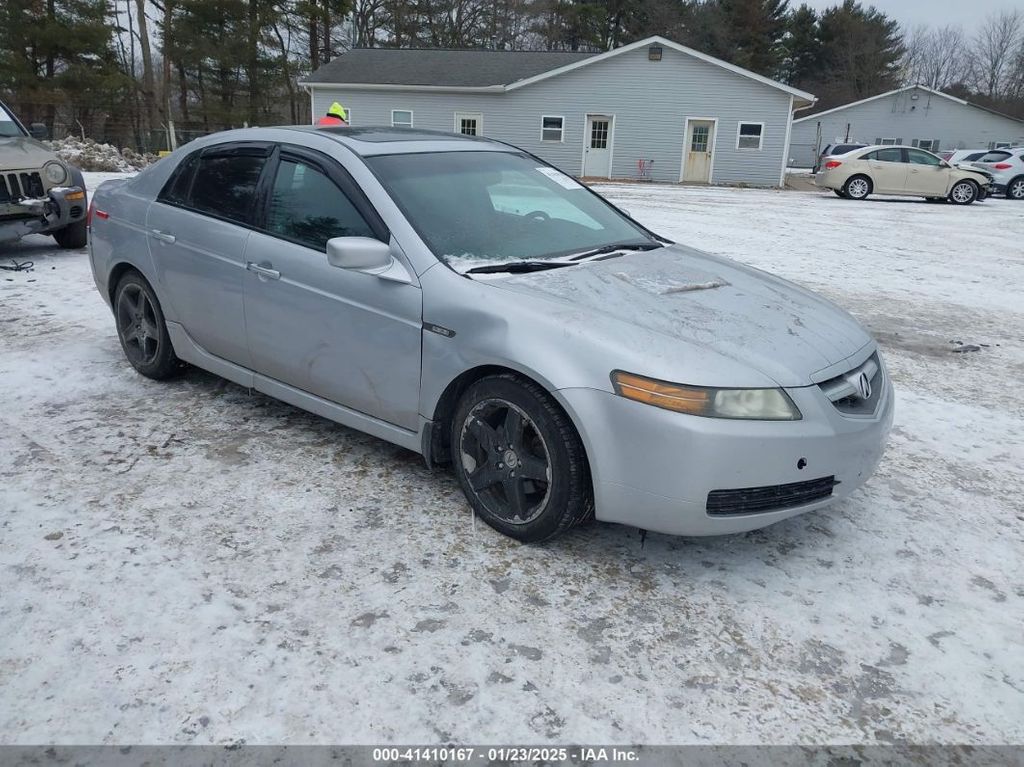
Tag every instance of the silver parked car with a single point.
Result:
(1006, 166)
(465, 300)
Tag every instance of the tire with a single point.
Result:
(934, 199)
(840, 193)
(1015, 189)
(72, 236)
(519, 459)
(857, 187)
(142, 330)
(963, 192)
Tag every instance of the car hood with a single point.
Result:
(783, 331)
(22, 153)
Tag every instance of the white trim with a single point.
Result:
(803, 95)
(561, 139)
(412, 121)
(312, 106)
(686, 144)
(478, 116)
(786, 144)
(391, 87)
(586, 139)
(926, 89)
(760, 137)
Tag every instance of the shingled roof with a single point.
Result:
(440, 67)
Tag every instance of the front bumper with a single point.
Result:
(60, 207)
(654, 469)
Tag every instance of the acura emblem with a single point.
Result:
(864, 385)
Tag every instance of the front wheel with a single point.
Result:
(963, 193)
(857, 187)
(1015, 189)
(519, 459)
(141, 328)
(72, 236)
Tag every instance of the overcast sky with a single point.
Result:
(932, 12)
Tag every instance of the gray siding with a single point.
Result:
(956, 126)
(650, 102)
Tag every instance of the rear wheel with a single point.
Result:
(72, 236)
(1015, 189)
(519, 459)
(141, 328)
(857, 187)
(963, 192)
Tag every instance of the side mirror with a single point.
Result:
(38, 131)
(944, 164)
(363, 253)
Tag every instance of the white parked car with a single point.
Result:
(1007, 169)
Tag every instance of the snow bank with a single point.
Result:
(89, 155)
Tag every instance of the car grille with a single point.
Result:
(15, 186)
(844, 394)
(757, 500)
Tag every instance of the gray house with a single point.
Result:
(915, 115)
(653, 109)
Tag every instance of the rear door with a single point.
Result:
(347, 336)
(198, 228)
(888, 170)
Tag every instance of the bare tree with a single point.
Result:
(937, 58)
(995, 47)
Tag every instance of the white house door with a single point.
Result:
(700, 140)
(597, 153)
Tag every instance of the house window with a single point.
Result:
(469, 124)
(401, 118)
(888, 141)
(551, 128)
(999, 144)
(929, 144)
(749, 136)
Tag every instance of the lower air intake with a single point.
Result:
(757, 500)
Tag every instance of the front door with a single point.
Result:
(926, 174)
(597, 154)
(888, 170)
(700, 142)
(346, 336)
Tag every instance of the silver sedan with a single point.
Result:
(465, 300)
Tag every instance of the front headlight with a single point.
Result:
(710, 402)
(55, 172)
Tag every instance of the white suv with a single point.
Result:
(1006, 166)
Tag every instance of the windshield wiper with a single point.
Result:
(614, 247)
(517, 267)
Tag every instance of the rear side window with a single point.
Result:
(886, 155)
(225, 185)
(177, 188)
(995, 156)
(308, 208)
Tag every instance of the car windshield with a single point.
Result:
(477, 208)
(8, 126)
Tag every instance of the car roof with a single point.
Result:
(377, 140)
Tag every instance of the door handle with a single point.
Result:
(162, 236)
(263, 272)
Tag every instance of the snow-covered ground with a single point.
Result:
(185, 562)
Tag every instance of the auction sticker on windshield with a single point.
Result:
(560, 178)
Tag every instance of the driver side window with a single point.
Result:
(917, 157)
(308, 208)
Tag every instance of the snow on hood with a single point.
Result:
(783, 331)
